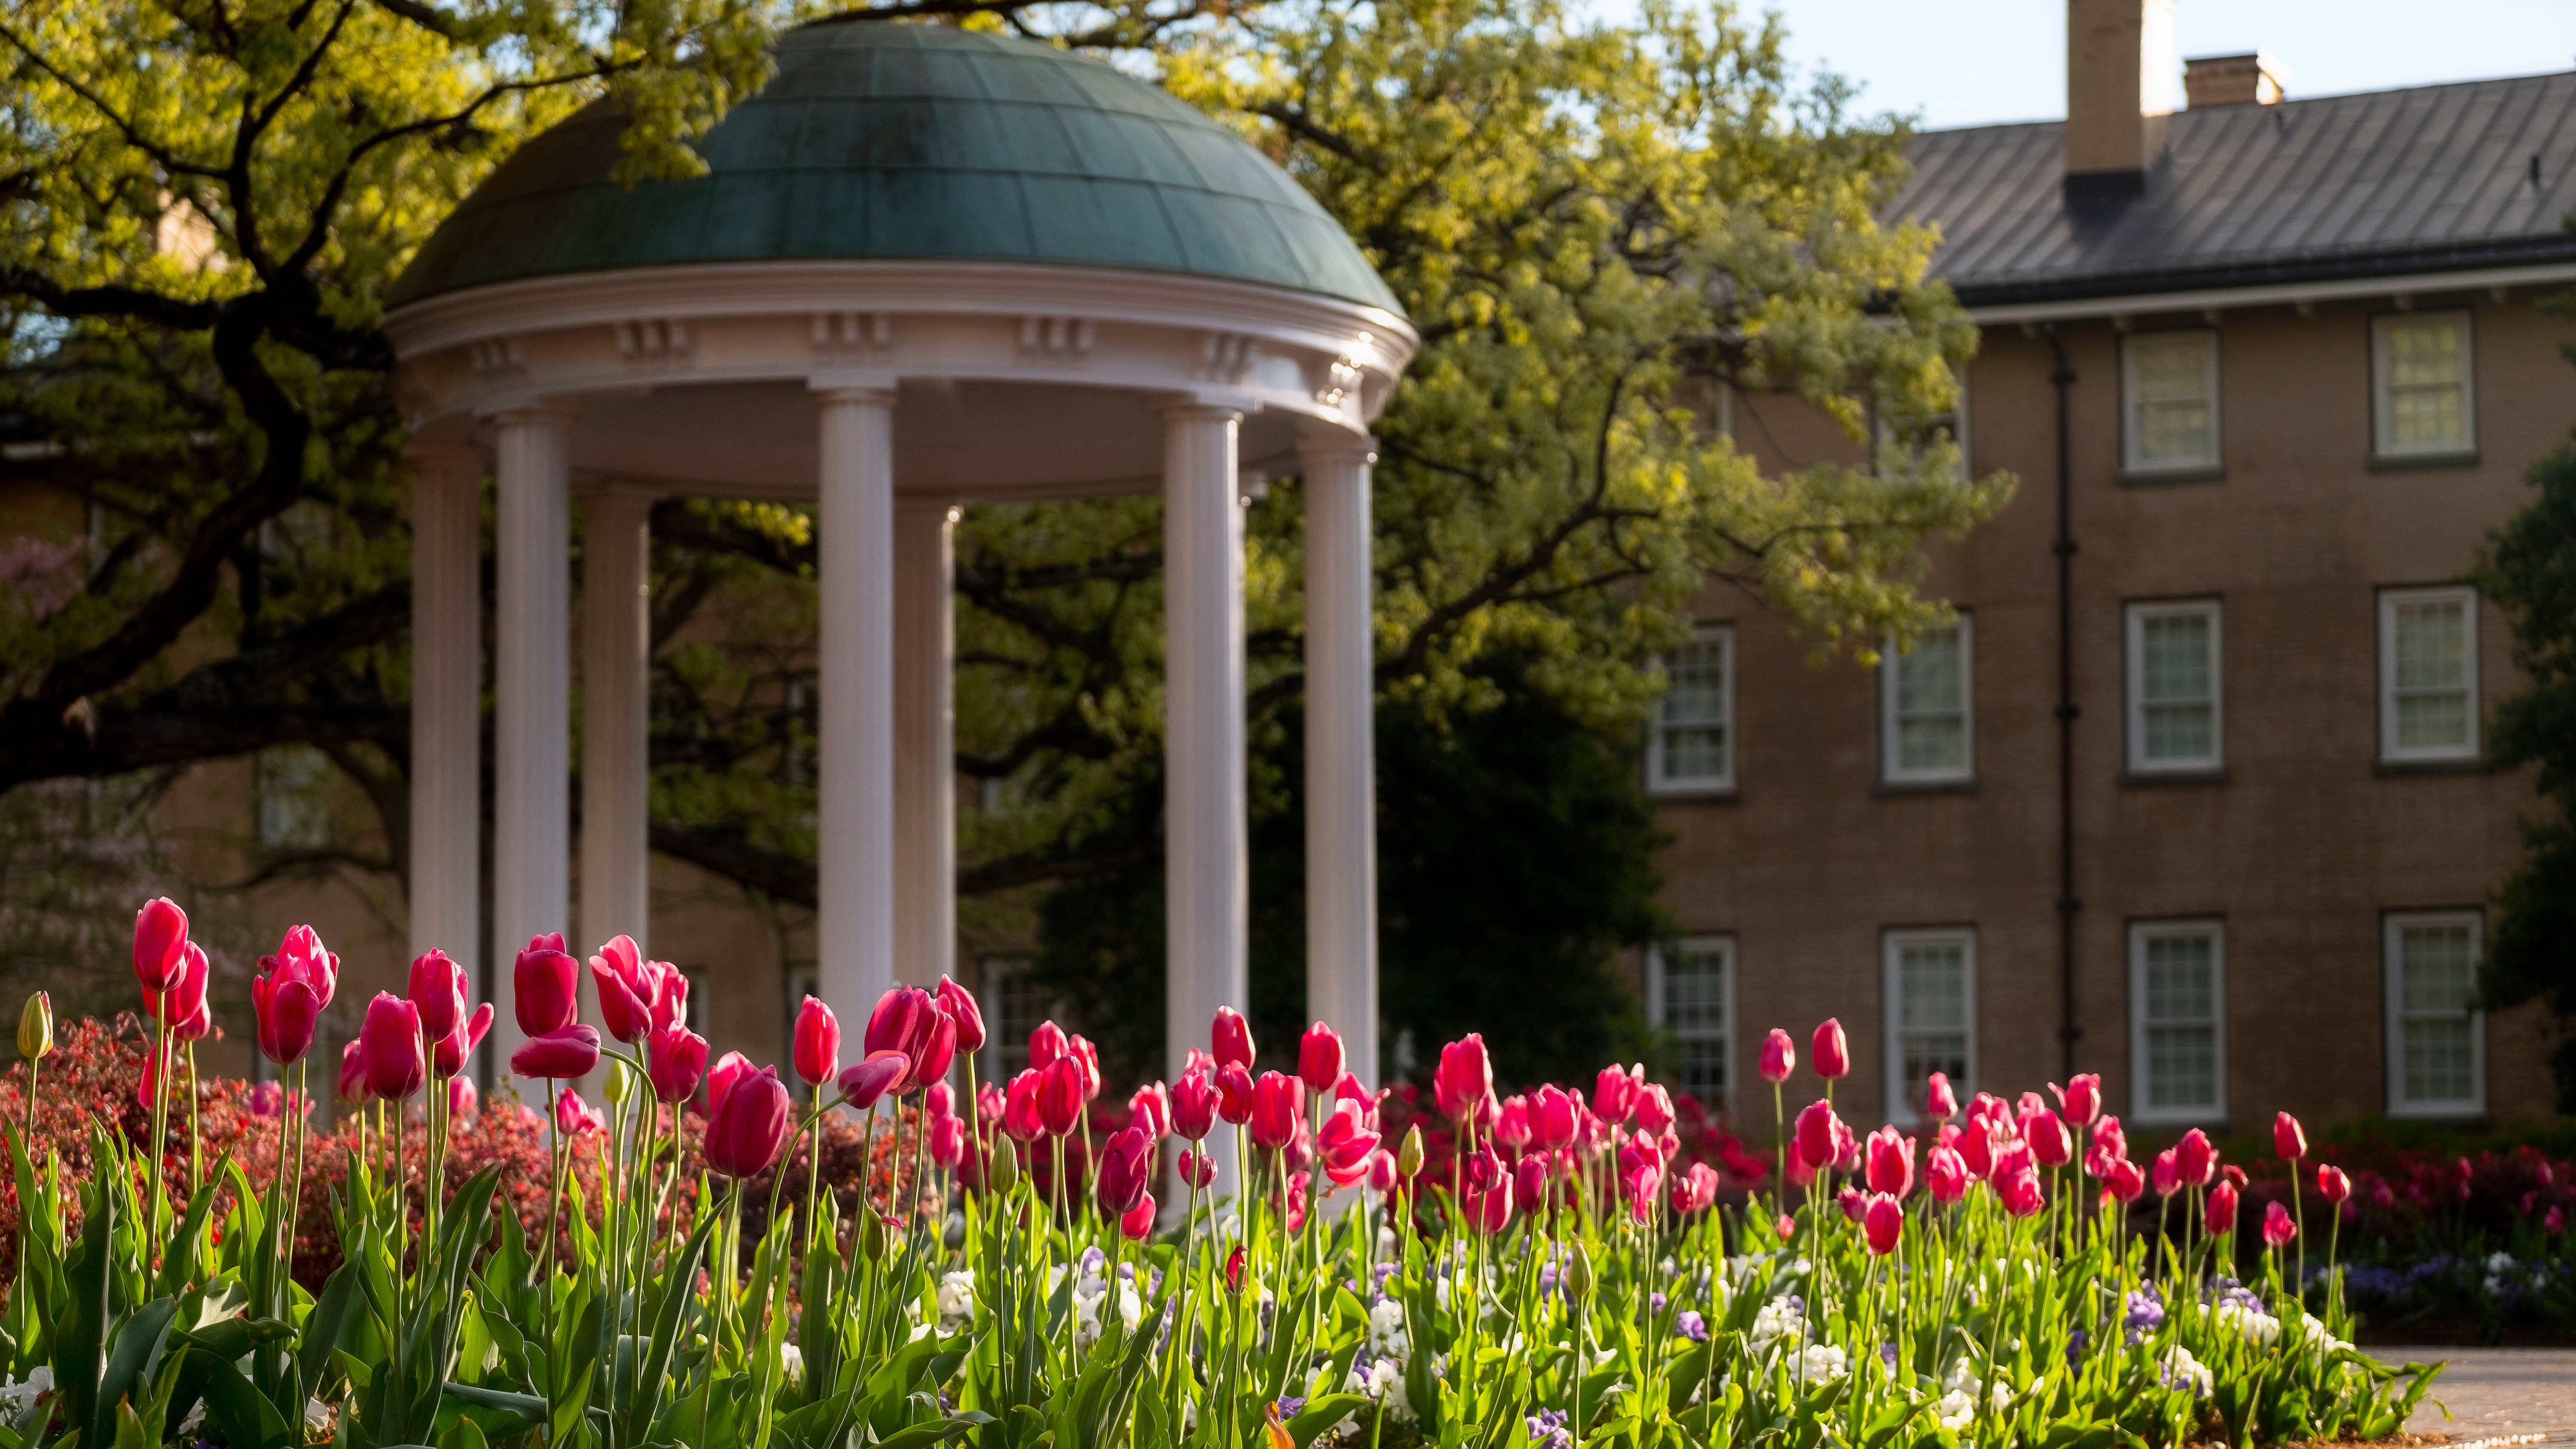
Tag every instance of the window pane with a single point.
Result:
(2427, 388)
(2432, 644)
(2182, 1066)
(1931, 716)
(2177, 656)
(1693, 728)
(2178, 717)
(1694, 1011)
(1927, 680)
(2437, 1061)
(1932, 979)
(2181, 978)
(2175, 415)
(2435, 965)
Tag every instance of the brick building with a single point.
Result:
(2192, 796)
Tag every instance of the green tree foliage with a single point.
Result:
(2529, 569)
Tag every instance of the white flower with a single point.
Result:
(1776, 1320)
(1386, 1328)
(23, 1393)
(2184, 1371)
(957, 1295)
(1820, 1364)
(791, 1361)
(1955, 1410)
(317, 1414)
(2256, 1327)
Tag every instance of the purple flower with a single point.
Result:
(1691, 1326)
(1655, 1302)
(2146, 1312)
(2074, 1347)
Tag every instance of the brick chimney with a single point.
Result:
(2119, 93)
(2231, 80)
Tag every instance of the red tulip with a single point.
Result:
(1137, 1224)
(546, 986)
(670, 996)
(1382, 1172)
(2288, 1138)
(750, 1125)
(2080, 1100)
(1126, 1167)
(160, 938)
(1292, 1205)
(287, 1013)
(1464, 1080)
(1890, 1163)
(938, 1048)
(1346, 1142)
(2277, 1226)
(730, 1068)
(1086, 1056)
(577, 1118)
(1060, 1095)
(1234, 1094)
(572, 1051)
(302, 957)
(1020, 1117)
(1194, 1102)
(1554, 1118)
(462, 1098)
(1977, 1146)
(2124, 1180)
(904, 1020)
(1234, 1265)
(1614, 1093)
(1489, 1211)
(447, 1055)
(958, 1004)
(627, 989)
(988, 1103)
(1701, 1179)
(1151, 1110)
(1882, 1222)
(2332, 1185)
(1197, 1169)
(1831, 1052)
(1047, 1041)
(1512, 1125)
(865, 1083)
(817, 1050)
(1947, 1174)
(2195, 1159)
(2218, 1215)
(196, 1024)
(947, 1142)
(1230, 1039)
(2049, 1141)
(187, 996)
(675, 1061)
(2021, 1194)
(438, 989)
(1817, 1140)
(353, 1073)
(939, 1101)
(1319, 1058)
(1276, 1111)
(390, 1037)
(2167, 1173)
(1779, 1057)
(2110, 1144)
(1653, 1109)
(1939, 1102)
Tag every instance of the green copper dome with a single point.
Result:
(885, 142)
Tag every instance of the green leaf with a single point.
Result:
(528, 1409)
(679, 1291)
(238, 1413)
(922, 1436)
(81, 1347)
(1324, 1412)
(130, 1363)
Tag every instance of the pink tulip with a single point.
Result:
(1345, 1142)
(2080, 1100)
(1137, 1224)
(1276, 1111)
(1382, 1172)
(462, 1098)
(1230, 1039)
(750, 1126)
(390, 1037)
(1197, 1169)
(2110, 1144)
(675, 1061)
(1554, 1118)
(353, 1073)
(1779, 1057)
(2022, 1195)
(1702, 1181)
(1020, 1119)
(1832, 1054)
(1047, 1041)
(1948, 1174)
(2167, 1172)
(1060, 1095)
(1653, 1109)
(438, 989)
(939, 1101)
(730, 1068)
(1890, 1161)
(1489, 1210)
(563, 1054)
(2218, 1215)
(627, 988)
(670, 997)
(1194, 1102)
(904, 1020)
(1882, 1222)
(160, 937)
(2124, 1180)
(960, 1006)
(1818, 1142)
(1234, 1094)
(1614, 1094)
(988, 1103)
(1151, 1109)
(1464, 1080)
(546, 986)
(187, 996)
(2278, 1229)
(938, 1051)
(865, 1083)
(1085, 1056)
(2049, 1141)
(447, 1055)
(817, 1049)
(1512, 1127)
(287, 1014)
(2332, 1184)
(2289, 1139)
(947, 1142)
(577, 1118)
(1939, 1103)
(2195, 1159)
(197, 1024)
(1319, 1058)
(1124, 1173)
(302, 957)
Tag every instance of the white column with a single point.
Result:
(532, 704)
(854, 848)
(1207, 908)
(617, 634)
(447, 703)
(1341, 771)
(925, 777)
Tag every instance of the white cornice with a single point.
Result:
(2280, 294)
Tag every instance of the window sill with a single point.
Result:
(2215, 1124)
(1691, 794)
(2405, 462)
(2462, 1116)
(2402, 768)
(2153, 779)
(2212, 473)
(1898, 789)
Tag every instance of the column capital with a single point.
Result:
(850, 387)
(531, 412)
(1336, 446)
(1218, 403)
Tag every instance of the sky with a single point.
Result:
(1968, 62)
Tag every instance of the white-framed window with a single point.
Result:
(2169, 401)
(1931, 1018)
(2175, 696)
(2178, 1021)
(1692, 749)
(2436, 1037)
(294, 789)
(2423, 389)
(2428, 673)
(1913, 440)
(1927, 708)
(1690, 994)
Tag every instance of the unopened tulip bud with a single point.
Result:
(618, 1087)
(1578, 1271)
(1006, 1169)
(1408, 1153)
(36, 1028)
(872, 1234)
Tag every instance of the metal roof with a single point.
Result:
(2424, 179)
(881, 141)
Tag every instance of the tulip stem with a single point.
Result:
(554, 1196)
(160, 1104)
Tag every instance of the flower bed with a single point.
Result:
(1239, 1258)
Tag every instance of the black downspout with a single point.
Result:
(2062, 377)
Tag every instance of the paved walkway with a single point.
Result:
(2497, 1392)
